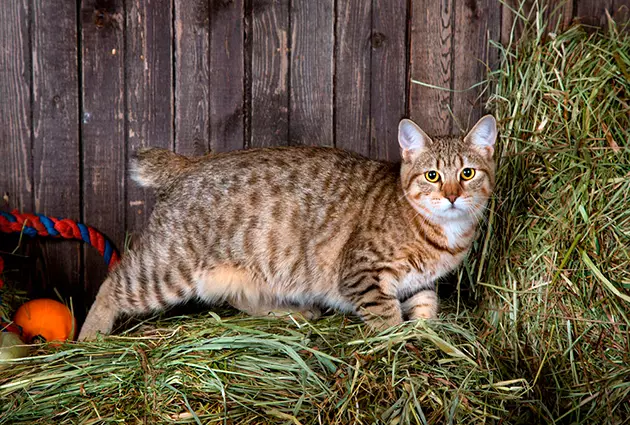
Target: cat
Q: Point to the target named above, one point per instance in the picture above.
(301, 228)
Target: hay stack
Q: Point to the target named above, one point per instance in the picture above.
(546, 337)
(556, 281)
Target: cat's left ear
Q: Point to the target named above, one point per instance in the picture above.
(483, 135)
(411, 139)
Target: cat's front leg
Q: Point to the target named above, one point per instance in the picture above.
(422, 305)
(372, 301)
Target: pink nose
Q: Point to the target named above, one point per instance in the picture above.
(452, 198)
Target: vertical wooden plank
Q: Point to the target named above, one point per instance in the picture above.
(476, 21)
(227, 75)
(56, 135)
(192, 127)
(269, 73)
(148, 56)
(353, 75)
(16, 172)
(593, 12)
(311, 74)
(389, 75)
(621, 12)
(103, 128)
(511, 24)
(431, 63)
(557, 15)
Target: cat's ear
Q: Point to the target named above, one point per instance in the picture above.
(483, 135)
(411, 139)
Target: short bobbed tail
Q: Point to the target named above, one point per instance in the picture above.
(157, 168)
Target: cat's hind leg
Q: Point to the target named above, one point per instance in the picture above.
(103, 313)
(140, 284)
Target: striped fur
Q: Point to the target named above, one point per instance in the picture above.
(303, 228)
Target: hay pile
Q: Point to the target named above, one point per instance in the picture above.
(556, 282)
(544, 338)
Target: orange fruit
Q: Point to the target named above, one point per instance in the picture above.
(47, 318)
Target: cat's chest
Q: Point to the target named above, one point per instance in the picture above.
(431, 270)
(421, 274)
(458, 234)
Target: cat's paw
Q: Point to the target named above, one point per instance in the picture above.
(423, 305)
(423, 311)
(311, 313)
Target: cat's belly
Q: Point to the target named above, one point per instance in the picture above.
(237, 283)
(321, 286)
(322, 290)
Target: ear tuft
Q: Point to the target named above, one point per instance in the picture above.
(411, 138)
(484, 134)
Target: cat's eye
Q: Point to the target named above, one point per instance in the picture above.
(432, 176)
(468, 173)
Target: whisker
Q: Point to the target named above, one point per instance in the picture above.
(403, 195)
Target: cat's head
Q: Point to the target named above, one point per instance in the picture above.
(448, 178)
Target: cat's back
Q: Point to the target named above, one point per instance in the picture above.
(300, 162)
(303, 173)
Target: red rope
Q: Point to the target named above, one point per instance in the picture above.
(41, 225)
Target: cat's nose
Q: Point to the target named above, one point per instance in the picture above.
(452, 198)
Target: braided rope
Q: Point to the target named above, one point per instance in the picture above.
(41, 225)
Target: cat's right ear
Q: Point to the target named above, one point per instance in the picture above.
(412, 139)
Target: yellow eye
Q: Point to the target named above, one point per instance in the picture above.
(432, 176)
(468, 173)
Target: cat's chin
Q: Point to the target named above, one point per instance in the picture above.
(454, 214)
(459, 212)
(446, 214)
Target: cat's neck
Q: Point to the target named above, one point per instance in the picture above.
(459, 233)
(456, 234)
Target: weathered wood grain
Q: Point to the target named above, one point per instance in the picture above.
(353, 75)
(16, 172)
(431, 63)
(103, 128)
(148, 56)
(311, 72)
(269, 75)
(56, 136)
(227, 75)
(557, 14)
(192, 41)
(621, 12)
(476, 22)
(593, 12)
(389, 76)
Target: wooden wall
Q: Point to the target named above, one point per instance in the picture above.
(84, 84)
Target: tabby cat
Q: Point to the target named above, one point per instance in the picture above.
(301, 228)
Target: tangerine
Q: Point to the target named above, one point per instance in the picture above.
(47, 318)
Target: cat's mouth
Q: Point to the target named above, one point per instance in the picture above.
(453, 211)
(446, 210)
